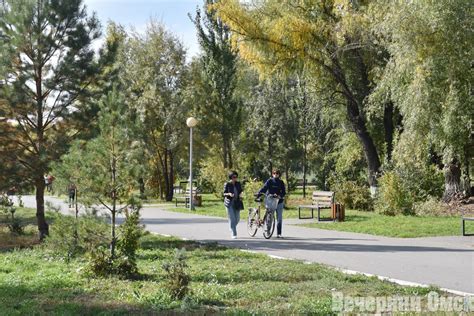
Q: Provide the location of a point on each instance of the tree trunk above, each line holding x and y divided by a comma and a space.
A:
452, 181
466, 174
389, 129
355, 117
368, 146
43, 227
229, 154
170, 177
270, 155
304, 166
225, 149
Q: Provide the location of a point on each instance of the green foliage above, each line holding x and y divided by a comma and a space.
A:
432, 206
130, 233
70, 238
250, 189
16, 227
352, 194
177, 279
155, 77
394, 197
213, 175
46, 63
102, 264
220, 104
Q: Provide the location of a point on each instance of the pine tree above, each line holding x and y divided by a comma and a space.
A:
47, 62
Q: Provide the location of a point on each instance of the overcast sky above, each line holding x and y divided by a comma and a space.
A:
173, 14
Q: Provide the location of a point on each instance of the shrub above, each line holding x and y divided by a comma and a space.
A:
353, 195
393, 196
102, 264
177, 280
16, 227
69, 238
432, 206
130, 233
251, 187
214, 175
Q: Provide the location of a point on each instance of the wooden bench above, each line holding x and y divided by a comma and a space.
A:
185, 198
320, 200
463, 224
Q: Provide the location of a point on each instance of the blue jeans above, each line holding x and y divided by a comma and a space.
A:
279, 212
234, 218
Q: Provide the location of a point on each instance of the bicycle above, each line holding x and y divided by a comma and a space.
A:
254, 222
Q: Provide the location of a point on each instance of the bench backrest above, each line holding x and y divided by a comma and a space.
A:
323, 198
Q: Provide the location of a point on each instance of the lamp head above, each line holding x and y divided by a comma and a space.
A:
191, 122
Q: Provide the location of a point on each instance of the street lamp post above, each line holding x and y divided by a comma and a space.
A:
191, 122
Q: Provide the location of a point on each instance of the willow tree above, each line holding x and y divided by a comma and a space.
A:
328, 38
430, 78
47, 61
219, 63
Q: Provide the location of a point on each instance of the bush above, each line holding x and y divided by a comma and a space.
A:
177, 280
422, 182
69, 238
432, 206
352, 195
393, 196
16, 227
214, 175
130, 233
250, 189
101, 264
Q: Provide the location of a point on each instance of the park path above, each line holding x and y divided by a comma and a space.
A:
447, 262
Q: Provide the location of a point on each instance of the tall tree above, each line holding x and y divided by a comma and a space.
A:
329, 38
156, 77
430, 78
47, 57
222, 109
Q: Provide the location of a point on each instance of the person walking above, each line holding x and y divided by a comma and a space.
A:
233, 201
276, 187
72, 194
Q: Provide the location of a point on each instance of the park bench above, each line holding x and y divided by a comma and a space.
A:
320, 200
465, 218
185, 198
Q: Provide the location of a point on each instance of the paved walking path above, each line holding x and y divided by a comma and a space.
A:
447, 262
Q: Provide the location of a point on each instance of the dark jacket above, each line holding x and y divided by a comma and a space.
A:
229, 188
274, 186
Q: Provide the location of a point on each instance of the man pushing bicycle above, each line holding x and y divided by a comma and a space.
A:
276, 187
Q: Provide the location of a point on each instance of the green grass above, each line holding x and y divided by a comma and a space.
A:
396, 226
356, 221
32, 282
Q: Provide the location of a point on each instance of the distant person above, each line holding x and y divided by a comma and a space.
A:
48, 181
276, 187
233, 201
72, 194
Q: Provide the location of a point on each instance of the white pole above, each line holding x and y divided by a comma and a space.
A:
191, 204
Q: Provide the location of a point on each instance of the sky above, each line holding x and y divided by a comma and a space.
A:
172, 13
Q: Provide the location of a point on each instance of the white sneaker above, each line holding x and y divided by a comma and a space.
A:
234, 237
280, 236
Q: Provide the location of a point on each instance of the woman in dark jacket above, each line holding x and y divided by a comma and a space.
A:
233, 201
276, 187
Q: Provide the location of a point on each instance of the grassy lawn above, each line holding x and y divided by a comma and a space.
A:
356, 221
223, 280
396, 226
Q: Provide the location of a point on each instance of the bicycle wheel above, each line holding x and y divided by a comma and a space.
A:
268, 224
252, 225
